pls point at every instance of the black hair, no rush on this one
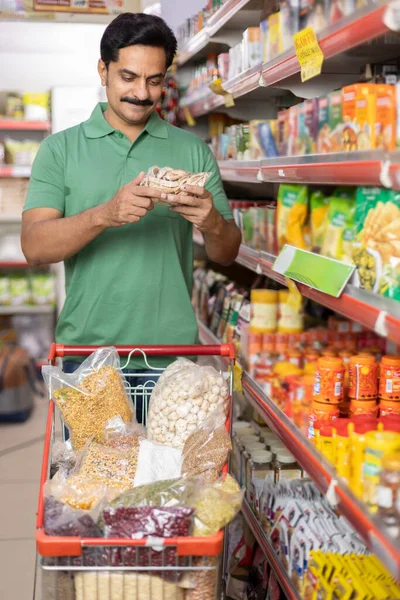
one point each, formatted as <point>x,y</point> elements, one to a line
<point>131,29</point>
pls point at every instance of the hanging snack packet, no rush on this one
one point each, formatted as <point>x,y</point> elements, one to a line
<point>319,206</point>
<point>292,215</point>
<point>172,181</point>
<point>339,236</point>
<point>91,396</point>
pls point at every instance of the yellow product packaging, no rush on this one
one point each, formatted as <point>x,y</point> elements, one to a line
<point>274,39</point>
<point>37,106</point>
<point>339,234</point>
<point>376,250</point>
<point>292,216</point>
<point>319,206</point>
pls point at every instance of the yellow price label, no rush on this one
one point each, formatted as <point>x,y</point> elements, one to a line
<point>188,116</point>
<point>217,88</point>
<point>309,54</point>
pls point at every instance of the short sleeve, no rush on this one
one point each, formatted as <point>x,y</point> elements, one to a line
<point>215,187</point>
<point>46,186</point>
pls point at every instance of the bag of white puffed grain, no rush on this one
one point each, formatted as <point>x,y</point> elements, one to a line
<point>91,396</point>
<point>184,396</point>
<point>104,585</point>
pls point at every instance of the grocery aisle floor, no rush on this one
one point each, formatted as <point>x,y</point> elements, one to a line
<point>21,448</point>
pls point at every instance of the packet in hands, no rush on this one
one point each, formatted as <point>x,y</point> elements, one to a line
<point>172,181</point>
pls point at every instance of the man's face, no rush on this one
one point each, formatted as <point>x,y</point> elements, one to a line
<point>134,83</point>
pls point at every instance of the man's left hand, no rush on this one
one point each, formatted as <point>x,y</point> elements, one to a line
<point>196,205</point>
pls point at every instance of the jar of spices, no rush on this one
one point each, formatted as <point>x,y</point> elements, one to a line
<point>264,310</point>
<point>363,407</point>
<point>388,408</point>
<point>321,412</point>
<point>389,382</point>
<point>286,467</point>
<point>258,468</point>
<point>329,379</point>
<point>388,493</point>
<point>363,373</point>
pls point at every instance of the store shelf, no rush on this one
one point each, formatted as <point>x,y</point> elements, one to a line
<point>22,125</point>
<point>375,312</point>
<point>13,264</point>
<point>10,218</point>
<point>362,26</point>
<point>266,547</point>
<point>373,167</point>
<point>12,171</point>
<point>320,470</point>
<point>27,310</point>
<point>203,38</point>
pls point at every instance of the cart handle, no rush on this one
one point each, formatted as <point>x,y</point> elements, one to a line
<point>227,350</point>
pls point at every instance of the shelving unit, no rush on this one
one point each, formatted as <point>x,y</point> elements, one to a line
<point>378,313</point>
<point>27,310</point>
<point>372,167</point>
<point>265,545</point>
<point>14,171</point>
<point>23,125</point>
<point>321,472</point>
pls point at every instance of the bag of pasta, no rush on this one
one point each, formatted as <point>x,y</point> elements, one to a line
<point>206,450</point>
<point>91,396</point>
<point>172,182</point>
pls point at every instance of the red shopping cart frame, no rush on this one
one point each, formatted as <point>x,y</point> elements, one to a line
<point>58,546</point>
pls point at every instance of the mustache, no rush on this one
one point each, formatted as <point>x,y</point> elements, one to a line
<point>137,102</point>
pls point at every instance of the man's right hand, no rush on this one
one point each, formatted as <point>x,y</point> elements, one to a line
<point>130,204</point>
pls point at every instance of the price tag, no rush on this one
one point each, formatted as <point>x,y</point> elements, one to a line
<point>217,88</point>
<point>318,272</point>
<point>309,53</point>
<point>188,116</point>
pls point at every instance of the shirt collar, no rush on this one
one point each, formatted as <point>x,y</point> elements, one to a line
<point>97,126</point>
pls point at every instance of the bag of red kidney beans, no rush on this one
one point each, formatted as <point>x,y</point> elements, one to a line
<point>138,522</point>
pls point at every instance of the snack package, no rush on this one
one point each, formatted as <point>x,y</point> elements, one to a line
<point>113,467</point>
<point>172,181</point>
<point>385,117</point>
<point>216,505</point>
<point>20,290</point>
<point>206,450</point>
<point>91,396</point>
<point>183,397</point>
<point>339,236</point>
<point>376,250</point>
<point>62,520</point>
<point>157,462</point>
<point>319,206</point>
<point>292,215</point>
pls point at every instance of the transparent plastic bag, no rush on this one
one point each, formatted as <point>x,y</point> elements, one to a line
<point>119,434</point>
<point>78,492</point>
<point>157,462</point>
<point>63,457</point>
<point>62,520</point>
<point>115,467</point>
<point>216,505</point>
<point>106,585</point>
<point>206,450</point>
<point>184,396</point>
<point>172,181</point>
<point>91,396</point>
<point>168,493</point>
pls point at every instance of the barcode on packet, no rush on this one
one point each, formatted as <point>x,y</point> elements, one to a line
<point>338,388</point>
<point>389,386</point>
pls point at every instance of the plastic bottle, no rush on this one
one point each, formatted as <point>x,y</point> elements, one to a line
<point>329,380</point>
<point>378,444</point>
<point>326,442</point>
<point>264,311</point>
<point>342,449</point>
<point>388,493</point>
<point>363,372</point>
<point>358,429</point>
<point>389,382</point>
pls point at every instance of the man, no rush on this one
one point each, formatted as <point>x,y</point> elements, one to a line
<point>128,263</point>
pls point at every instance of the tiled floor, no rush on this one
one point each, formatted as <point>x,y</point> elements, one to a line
<point>21,448</point>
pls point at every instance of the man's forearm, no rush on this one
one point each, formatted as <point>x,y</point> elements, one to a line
<point>222,242</point>
<point>54,240</point>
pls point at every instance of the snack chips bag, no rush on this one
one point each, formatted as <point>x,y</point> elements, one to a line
<point>339,236</point>
<point>292,216</point>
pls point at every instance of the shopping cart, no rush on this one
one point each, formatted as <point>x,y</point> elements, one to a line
<point>75,568</point>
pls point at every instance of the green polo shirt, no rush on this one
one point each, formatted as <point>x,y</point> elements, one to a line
<point>131,285</point>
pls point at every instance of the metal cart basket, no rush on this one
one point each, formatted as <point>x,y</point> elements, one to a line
<point>76,568</point>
